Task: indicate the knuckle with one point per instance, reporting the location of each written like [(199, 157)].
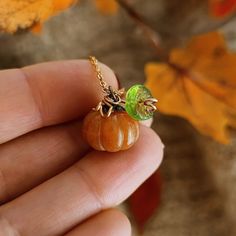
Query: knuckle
[(92, 185)]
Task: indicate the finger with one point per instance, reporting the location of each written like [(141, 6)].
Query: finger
[(107, 223), (99, 181), (47, 94), (33, 158), (147, 123)]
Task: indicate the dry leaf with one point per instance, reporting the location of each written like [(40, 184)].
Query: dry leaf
[(15, 14), (107, 6), (222, 8), (145, 200), (198, 84)]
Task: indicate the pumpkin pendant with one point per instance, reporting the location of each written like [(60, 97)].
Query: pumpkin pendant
[(113, 125), (114, 133)]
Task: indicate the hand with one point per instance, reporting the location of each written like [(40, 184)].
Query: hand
[(50, 181)]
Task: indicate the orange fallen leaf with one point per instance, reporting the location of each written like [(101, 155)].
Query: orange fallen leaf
[(107, 6), (15, 14), (199, 84), (222, 8)]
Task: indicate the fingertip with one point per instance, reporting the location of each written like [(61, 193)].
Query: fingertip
[(106, 223), (121, 220), (123, 172), (147, 123), (109, 76), (151, 141), (75, 80)]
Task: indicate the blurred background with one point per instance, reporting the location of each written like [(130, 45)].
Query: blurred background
[(198, 174)]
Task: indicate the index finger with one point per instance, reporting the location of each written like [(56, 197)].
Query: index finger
[(47, 94)]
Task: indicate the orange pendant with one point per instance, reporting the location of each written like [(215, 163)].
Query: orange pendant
[(114, 133), (112, 126)]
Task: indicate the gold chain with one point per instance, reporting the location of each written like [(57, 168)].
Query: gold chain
[(98, 71)]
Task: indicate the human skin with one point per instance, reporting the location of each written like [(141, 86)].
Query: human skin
[(51, 182)]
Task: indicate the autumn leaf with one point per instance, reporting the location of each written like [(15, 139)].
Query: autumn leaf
[(199, 84), (232, 118), (15, 14), (222, 8), (145, 200), (107, 6)]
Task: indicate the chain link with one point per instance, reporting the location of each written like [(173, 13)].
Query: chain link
[(98, 71)]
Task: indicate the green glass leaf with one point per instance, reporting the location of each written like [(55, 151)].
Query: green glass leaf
[(136, 103)]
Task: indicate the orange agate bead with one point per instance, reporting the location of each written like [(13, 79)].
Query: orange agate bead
[(114, 133)]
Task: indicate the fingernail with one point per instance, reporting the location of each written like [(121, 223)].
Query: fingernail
[(163, 146), (118, 80), (147, 123)]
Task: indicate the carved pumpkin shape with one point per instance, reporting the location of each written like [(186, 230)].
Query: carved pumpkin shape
[(114, 133)]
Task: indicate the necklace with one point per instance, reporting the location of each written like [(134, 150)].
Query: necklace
[(113, 125)]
